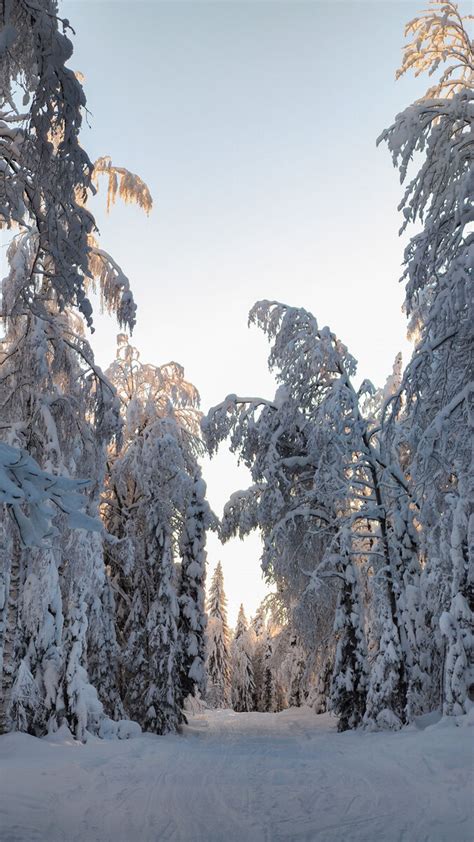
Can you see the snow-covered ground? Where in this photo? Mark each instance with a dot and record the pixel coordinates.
(249, 777)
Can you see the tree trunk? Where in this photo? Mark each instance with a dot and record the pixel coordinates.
(11, 631)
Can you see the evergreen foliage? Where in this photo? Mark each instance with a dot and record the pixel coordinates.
(243, 682)
(218, 667)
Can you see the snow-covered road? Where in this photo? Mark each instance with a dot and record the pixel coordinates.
(249, 777)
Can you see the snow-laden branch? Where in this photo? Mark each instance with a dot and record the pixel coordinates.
(28, 493)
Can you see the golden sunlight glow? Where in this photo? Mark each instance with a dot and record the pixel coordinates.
(122, 183)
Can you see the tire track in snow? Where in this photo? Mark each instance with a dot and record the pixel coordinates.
(231, 777)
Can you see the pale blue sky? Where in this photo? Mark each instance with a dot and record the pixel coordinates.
(254, 125)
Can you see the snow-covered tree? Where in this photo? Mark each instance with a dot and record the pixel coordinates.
(268, 700)
(332, 508)
(192, 625)
(57, 404)
(296, 694)
(280, 661)
(349, 679)
(288, 661)
(155, 508)
(243, 683)
(58, 407)
(44, 167)
(258, 633)
(430, 417)
(218, 667)
(26, 492)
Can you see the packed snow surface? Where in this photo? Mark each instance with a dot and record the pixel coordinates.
(242, 776)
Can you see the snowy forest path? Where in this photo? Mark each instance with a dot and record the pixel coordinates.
(253, 777)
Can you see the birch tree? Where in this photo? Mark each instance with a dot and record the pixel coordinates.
(430, 417)
(319, 496)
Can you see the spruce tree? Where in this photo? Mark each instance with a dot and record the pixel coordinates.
(296, 694)
(243, 684)
(217, 644)
(268, 701)
(192, 623)
(258, 629)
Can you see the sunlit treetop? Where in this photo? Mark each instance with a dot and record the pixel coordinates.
(440, 35)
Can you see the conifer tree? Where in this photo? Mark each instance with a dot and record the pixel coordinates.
(218, 692)
(296, 695)
(192, 624)
(268, 697)
(258, 628)
(243, 683)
